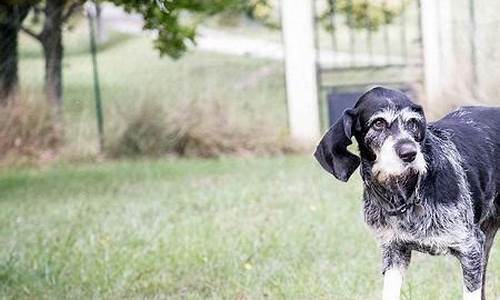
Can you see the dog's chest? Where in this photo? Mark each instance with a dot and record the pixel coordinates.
(435, 243)
(425, 233)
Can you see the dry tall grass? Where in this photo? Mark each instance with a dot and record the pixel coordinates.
(26, 130)
(196, 129)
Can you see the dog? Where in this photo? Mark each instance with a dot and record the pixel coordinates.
(428, 187)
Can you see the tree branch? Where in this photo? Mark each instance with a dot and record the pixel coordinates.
(71, 10)
(31, 33)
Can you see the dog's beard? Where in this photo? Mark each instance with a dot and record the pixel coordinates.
(407, 173)
(394, 189)
(409, 176)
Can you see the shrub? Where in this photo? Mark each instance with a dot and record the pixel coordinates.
(26, 130)
(196, 129)
(146, 133)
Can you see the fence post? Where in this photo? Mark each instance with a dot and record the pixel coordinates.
(437, 45)
(473, 50)
(297, 19)
(91, 13)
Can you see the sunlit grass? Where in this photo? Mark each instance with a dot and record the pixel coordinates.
(277, 228)
(232, 228)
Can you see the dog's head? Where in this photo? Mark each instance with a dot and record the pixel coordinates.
(389, 129)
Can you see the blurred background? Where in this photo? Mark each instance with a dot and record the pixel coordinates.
(161, 148)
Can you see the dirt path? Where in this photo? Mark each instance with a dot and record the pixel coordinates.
(218, 41)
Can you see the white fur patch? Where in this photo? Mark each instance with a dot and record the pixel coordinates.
(388, 114)
(389, 164)
(408, 114)
(393, 279)
(476, 295)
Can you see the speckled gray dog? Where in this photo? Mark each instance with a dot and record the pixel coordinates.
(431, 187)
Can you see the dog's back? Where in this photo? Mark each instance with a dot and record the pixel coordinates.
(475, 131)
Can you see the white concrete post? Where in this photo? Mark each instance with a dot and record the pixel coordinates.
(437, 46)
(297, 20)
(431, 49)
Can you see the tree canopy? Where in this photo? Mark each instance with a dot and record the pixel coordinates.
(176, 21)
(360, 14)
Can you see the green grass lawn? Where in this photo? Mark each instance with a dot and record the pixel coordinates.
(276, 228)
(233, 228)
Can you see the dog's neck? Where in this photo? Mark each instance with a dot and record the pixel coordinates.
(391, 193)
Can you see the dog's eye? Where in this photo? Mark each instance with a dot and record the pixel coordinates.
(379, 124)
(412, 125)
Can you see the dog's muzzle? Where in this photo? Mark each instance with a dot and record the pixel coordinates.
(398, 158)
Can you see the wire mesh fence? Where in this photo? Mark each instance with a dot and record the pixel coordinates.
(241, 90)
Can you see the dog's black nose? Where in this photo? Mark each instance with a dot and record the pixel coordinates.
(407, 152)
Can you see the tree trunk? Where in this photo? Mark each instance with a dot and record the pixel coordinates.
(10, 24)
(8, 63)
(51, 39)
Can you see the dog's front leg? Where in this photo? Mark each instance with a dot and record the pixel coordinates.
(471, 258)
(472, 269)
(395, 261)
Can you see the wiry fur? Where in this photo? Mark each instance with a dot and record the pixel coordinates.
(454, 181)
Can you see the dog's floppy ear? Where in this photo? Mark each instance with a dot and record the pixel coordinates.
(332, 153)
